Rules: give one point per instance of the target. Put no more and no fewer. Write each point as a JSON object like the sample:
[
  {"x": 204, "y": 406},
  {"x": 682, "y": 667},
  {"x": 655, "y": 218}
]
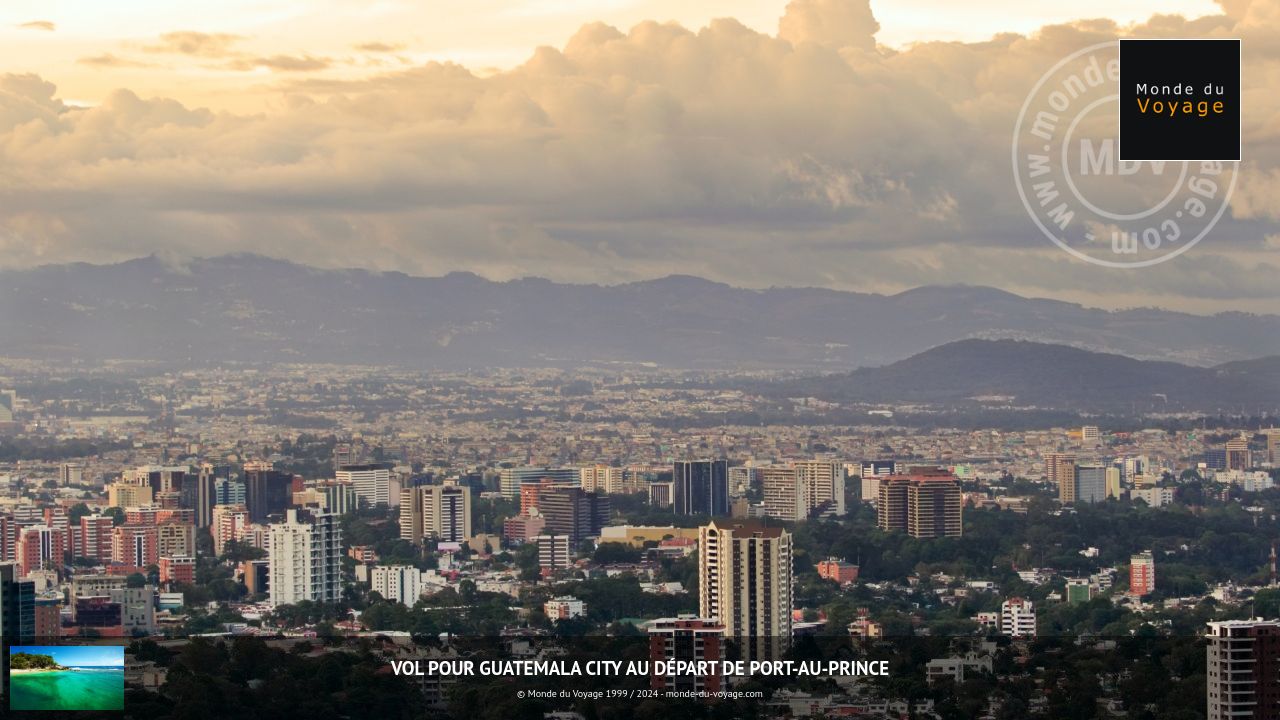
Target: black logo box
[{"x": 1180, "y": 62}]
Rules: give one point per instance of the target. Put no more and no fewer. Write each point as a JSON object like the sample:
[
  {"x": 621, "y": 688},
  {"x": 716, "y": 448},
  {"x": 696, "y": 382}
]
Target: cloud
[
  {"x": 283, "y": 63},
  {"x": 379, "y": 47},
  {"x": 43, "y": 25},
  {"x": 108, "y": 60},
  {"x": 809, "y": 157},
  {"x": 199, "y": 44}
]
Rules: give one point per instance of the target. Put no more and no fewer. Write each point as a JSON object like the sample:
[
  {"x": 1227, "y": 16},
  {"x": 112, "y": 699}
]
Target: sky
[
  {"x": 837, "y": 143},
  {"x": 78, "y": 656}
]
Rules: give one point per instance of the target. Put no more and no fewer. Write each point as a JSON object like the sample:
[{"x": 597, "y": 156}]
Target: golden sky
[
  {"x": 818, "y": 142},
  {"x": 231, "y": 54}
]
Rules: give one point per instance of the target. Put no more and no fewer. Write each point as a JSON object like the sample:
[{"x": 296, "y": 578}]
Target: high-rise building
[
  {"x": 1142, "y": 574},
  {"x": 176, "y": 539},
  {"x": 123, "y": 494},
  {"x": 206, "y": 496},
  {"x": 1238, "y": 454},
  {"x": 510, "y": 480},
  {"x": 371, "y": 482},
  {"x": 398, "y": 583},
  {"x": 267, "y": 491},
  {"x": 305, "y": 557},
  {"x": 601, "y": 478},
  {"x": 802, "y": 490},
  {"x": 1242, "y": 672},
  {"x": 1113, "y": 482},
  {"x": 744, "y": 584},
  {"x": 690, "y": 639},
  {"x": 573, "y": 512},
  {"x": 662, "y": 494},
  {"x": 135, "y": 546},
  {"x": 95, "y": 537},
  {"x": 17, "y": 605},
  {"x": 160, "y": 478},
  {"x": 442, "y": 512},
  {"x": 925, "y": 504},
  {"x": 70, "y": 474},
  {"x": 1060, "y": 472},
  {"x": 40, "y": 546},
  {"x": 331, "y": 496},
  {"x": 701, "y": 487},
  {"x": 1018, "y": 617},
  {"x": 1273, "y": 445},
  {"x": 1091, "y": 483},
  {"x": 230, "y": 522},
  {"x": 554, "y": 553}
]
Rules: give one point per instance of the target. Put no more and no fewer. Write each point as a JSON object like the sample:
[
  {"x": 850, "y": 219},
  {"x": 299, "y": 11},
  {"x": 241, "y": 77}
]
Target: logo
[{"x": 1082, "y": 196}]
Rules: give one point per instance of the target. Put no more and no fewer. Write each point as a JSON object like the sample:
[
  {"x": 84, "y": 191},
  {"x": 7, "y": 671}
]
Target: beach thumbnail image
[{"x": 66, "y": 677}]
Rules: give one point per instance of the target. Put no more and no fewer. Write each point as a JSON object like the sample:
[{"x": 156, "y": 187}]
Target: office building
[
  {"x": 1142, "y": 574},
  {"x": 398, "y": 583},
  {"x": 838, "y": 570},
  {"x": 686, "y": 638},
  {"x": 1091, "y": 483},
  {"x": 661, "y": 494},
  {"x": 230, "y": 522},
  {"x": 17, "y": 605},
  {"x": 701, "y": 487},
  {"x": 305, "y": 559},
  {"x": 1242, "y": 670},
  {"x": 925, "y": 504},
  {"x": 1018, "y": 617},
  {"x": 745, "y": 584},
  {"x": 1090, "y": 435},
  {"x": 268, "y": 492},
  {"x": 510, "y": 480},
  {"x": 207, "y": 488},
  {"x": 70, "y": 474},
  {"x": 573, "y": 512}
]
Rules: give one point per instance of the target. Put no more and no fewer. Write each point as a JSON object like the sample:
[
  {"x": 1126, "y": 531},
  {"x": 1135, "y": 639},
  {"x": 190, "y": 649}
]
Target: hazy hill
[
  {"x": 972, "y": 372},
  {"x": 252, "y": 308}
]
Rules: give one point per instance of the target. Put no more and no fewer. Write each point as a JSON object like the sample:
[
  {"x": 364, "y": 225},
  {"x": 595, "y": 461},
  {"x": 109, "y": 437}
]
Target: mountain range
[
  {"x": 993, "y": 373},
  {"x": 252, "y": 308}
]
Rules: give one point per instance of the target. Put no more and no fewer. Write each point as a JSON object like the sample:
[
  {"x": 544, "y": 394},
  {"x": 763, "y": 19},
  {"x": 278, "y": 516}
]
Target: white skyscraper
[
  {"x": 442, "y": 512},
  {"x": 1018, "y": 618},
  {"x": 305, "y": 559}
]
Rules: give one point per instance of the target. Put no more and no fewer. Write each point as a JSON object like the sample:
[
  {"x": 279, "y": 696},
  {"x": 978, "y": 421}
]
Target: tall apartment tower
[
  {"x": 510, "y": 480},
  {"x": 442, "y": 512},
  {"x": 1142, "y": 574},
  {"x": 685, "y": 638},
  {"x": 745, "y": 576},
  {"x": 701, "y": 487},
  {"x": 926, "y": 504},
  {"x": 1238, "y": 454},
  {"x": 801, "y": 490},
  {"x": 17, "y": 605},
  {"x": 1242, "y": 672},
  {"x": 305, "y": 559},
  {"x": 601, "y": 478},
  {"x": 1060, "y": 472}
]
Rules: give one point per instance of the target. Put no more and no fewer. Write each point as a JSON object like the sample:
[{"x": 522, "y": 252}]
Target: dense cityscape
[{"x": 304, "y": 508}]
